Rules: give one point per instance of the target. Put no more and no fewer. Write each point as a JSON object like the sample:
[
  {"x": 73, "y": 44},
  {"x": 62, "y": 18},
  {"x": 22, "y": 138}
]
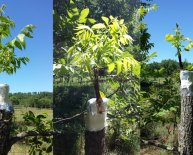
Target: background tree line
[
  {"x": 164, "y": 68},
  {"x": 32, "y": 99}
]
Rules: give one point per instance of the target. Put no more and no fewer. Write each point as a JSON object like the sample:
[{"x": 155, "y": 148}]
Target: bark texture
[
  {"x": 186, "y": 123},
  {"x": 5, "y": 129},
  {"x": 95, "y": 142},
  {"x": 99, "y": 99},
  {"x": 180, "y": 59}
]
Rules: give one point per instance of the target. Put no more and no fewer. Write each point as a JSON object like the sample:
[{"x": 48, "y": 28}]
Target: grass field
[
  {"x": 19, "y": 111},
  {"x": 21, "y": 148}
]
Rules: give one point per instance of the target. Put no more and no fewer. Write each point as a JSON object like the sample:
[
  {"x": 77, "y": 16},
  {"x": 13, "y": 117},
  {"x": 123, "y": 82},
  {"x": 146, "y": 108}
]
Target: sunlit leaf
[
  {"x": 84, "y": 13},
  {"x": 105, "y": 19},
  {"x": 119, "y": 67},
  {"x": 21, "y": 39},
  {"x": 128, "y": 37},
  {"x": 111, "y": 67},
  {"x": 121, "y": 21},
  {"x": 169, "y": 37},
  {"x": 98, "y": 26},
  {"x": 69, "y": 14},
  {"x": 92, "y": 21},
  {"x": 18, "y": 45},
  {"x": 102, "y": 94}
]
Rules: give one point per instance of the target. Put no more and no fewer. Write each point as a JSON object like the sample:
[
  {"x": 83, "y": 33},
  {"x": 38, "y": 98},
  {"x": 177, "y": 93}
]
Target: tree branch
[
  {"x": 168, "y": 148},
  {"x": 69, "y": 118},
  {"x": 114, "y": 92},
  {"x": 25, "y": 134}
]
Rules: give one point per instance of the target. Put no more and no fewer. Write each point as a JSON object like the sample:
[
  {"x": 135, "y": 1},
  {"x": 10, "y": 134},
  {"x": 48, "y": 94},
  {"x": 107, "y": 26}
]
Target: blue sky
[
  {"x": 163, "y": 20},
  {"x": 37, "y": 74}
]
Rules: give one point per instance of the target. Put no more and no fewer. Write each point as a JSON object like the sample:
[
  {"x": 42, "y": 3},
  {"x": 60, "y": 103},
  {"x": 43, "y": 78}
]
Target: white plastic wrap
[
  {"x": 5, "y": 104},
  {"x": 95, "y": 121},
  {"x": 186, "y": 78}
]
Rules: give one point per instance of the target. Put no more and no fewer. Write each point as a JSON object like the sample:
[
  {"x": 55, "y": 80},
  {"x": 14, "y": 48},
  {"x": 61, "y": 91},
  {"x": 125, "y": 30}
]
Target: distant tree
[
  {"x": 165, "y": 67},
  {"x": 14, "y": 100},
  {"x": 170, "y": 66},
  {"x": 45, "y": 103}
]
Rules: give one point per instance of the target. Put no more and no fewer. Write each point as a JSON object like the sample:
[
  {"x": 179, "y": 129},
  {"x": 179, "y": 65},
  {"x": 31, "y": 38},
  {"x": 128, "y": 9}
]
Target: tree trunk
[
  {"x": 95, "y": 128},
  {"x": 186, "y": 120},
  {"x": 95, "y": 121},
  {"x": 95, "y": 142},
  {"x": 99, "y": 100},
  {"x": 180, "y": 59},
  {"x": 6, "y": 111},
  {"x": 5, "y": 129}
]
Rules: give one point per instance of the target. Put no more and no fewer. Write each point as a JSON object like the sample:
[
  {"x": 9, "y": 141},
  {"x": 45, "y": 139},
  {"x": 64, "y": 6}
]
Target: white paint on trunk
[
  {"x": 185, "y": 139},
  {"x": 5, "y": 104},
  {"x": 95, "y": 121},
  {"x": 186, "y": 78}
]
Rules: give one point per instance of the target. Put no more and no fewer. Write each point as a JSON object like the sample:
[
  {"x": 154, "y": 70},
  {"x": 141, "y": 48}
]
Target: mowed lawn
[{"x": 20, "y": 148}]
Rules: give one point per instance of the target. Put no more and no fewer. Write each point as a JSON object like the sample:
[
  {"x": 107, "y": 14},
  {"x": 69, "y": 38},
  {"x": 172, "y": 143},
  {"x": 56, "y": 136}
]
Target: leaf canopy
[
  {"x": 103, "y": 45},
  {"x": 9, "y": 62}
]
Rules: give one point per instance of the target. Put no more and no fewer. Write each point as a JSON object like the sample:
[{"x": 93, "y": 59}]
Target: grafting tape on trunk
[{"x": 95, "y": 121}]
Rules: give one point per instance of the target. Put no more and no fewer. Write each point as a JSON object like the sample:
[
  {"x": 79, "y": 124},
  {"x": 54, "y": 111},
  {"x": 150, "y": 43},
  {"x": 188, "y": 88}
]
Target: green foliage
[
  {"x": 145, "y": 45},
  {"x": 123, "y": 9},
  {"x": 161, "y": 103},
  {"x": 145, "y": 9},
  {"x": 39, "y": 144},
  {"x": 14, "y": 100},
  {"x": 123, "y": 114},
  {"x": 164, "y": 68},
  {"x": 106, "y": 44},
  {"x": 75, "y": 96},
  {"x": 38, "y": 100},
  {"x": 144, "y": 36},
  {"x": 64, "y": 26},
  {"x": 178, "y": 41},
  {"x": 102, "y": 45},
  {"x": 9, "y": 63}
]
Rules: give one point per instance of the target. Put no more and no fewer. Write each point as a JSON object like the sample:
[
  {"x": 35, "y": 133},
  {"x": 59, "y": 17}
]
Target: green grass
[
  {"x": 19, "y": 149},
  {"x": 19, "y": 111}
]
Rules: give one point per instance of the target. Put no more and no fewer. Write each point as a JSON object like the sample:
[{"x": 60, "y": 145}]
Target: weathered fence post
[
  {"x": 95, "y": 128},
  {"x": 6, "y": 111},
  {"x": 186, "y": 119}
]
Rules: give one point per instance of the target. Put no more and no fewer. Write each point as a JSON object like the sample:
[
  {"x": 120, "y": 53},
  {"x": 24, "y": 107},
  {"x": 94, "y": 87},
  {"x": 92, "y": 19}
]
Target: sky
[
  {"x": 36, "y": 76},
  {"x": 163, "y": 21}
]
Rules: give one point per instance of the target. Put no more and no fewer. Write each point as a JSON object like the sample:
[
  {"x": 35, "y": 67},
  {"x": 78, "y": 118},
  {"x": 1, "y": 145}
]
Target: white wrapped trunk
[
  {"x": 5, "y": 104},
  {"x": 96, "y": 121}
]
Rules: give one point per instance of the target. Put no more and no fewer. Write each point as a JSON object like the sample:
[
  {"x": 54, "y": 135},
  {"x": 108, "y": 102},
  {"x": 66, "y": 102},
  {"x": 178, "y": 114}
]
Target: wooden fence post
[{"x": 185, "y": 137}]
